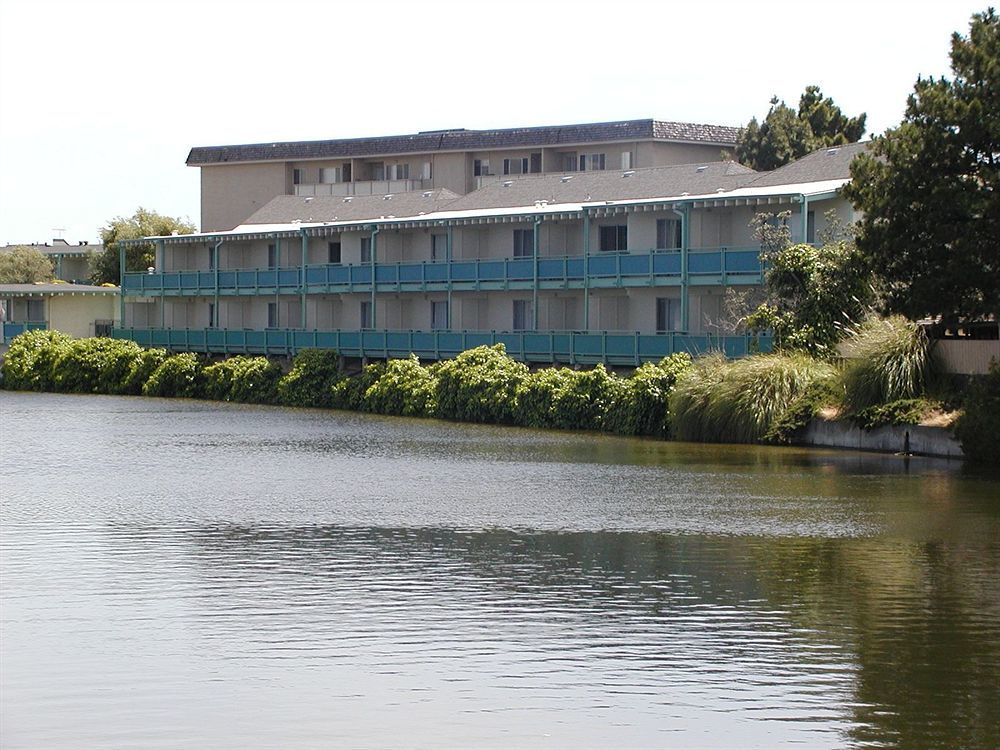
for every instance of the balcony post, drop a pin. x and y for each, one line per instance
(121, 282)
(161, 262)
(215, 263)
(302, 278)
(685, 215)
(534, 275)
(449, 254)
(375, 231)
(805, 218)
(586, 269)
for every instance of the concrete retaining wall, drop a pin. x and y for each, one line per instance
(924, 441)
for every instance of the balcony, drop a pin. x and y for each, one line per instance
(735, 266)
(565, 347)
(10, 329)
(362, 187)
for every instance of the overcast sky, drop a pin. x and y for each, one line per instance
(100, 100)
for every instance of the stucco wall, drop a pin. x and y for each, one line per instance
(75, 315)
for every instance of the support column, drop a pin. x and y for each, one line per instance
(375, 232)
(449, 252)
(534, 274)
(215, 264)
(586, 270)
(302, 278)
(121, 283)
(685, 246)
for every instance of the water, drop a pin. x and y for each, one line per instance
(186, 575)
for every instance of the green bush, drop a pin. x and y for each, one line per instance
(740, 401)
(349, 393)
(309, 382)
(480, 385)
(978, 429)
(94, 365)
(641, 402)
(902, 412)
(888, 360)
(28, 364)
(180, 376)
(822, 392)
(140, 370)
(537, 395)
(248, 380)
(405, 388)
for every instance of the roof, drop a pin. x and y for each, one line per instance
(28, 290)
(467, 140)
(632, 184)
(58, 247)
(285, 209)
(832, 163)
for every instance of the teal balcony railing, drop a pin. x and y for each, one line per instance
(566, 347)
(656, 268)
(9, 330)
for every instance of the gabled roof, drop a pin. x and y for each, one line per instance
(285, 209)
(831, 163)
(467, 140)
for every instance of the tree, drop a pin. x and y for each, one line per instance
(930, 189)
(25, 265)
(104, 266)
(786, 135)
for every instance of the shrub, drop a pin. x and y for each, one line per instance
(740, 401)
(641, 403)
(28, 364)
(94, 365)
(349, 393)
(904, 411)
(179, 376)
(979, 426)
(249, 380)
(583, 402)
(140, 370)
(822, 392)
(537, 395)
(405, 388)
(888, 360)
(480, 385)
(309, 382)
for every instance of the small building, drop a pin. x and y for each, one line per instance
(75, 309)
(69, 262)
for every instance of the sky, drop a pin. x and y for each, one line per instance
(100, 101)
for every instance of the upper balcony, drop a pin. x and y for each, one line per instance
(362, 187)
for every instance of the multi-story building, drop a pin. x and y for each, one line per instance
(619, 266)
(238, 180)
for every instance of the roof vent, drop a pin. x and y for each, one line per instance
(685, 193)
(387, 197)
(628, 173)
(348, 199)
(508, 183)
(309, 199)
(427, 193)
(702, 168)
(566, 178)
(832, 151)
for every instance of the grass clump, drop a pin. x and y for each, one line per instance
(30, 360)
(180, 376)
(888, 359)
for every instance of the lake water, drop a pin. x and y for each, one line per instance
(184, 574)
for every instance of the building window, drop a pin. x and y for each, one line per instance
(296, 176)
(439, 316)
(591, 162)
(366, 314)
(626, 159)
(536, 162)
(376, 171)
(330, 175)
(524, 243)
(36, 311)
(211, 258)
(668, 314)
(439, 247)
(426, 175)
(398, 172)
(366, 249)
(668, 234)
(516, 166)
(481, 168)
(333, 252)
(614, 239)
(211, 315)
(272, 314)
(272, 256)
(346, 173)
(569, 163)
(522, 315)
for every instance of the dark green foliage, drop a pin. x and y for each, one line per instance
(405, 388)
(902, 412)
(140, 370)
(94, 365)
(641, 403)
(248, 380)
(309, 382)
(349, 393)
(564, 398)
(25, 265)
(104, 266)
(888, 360)
(978, 428)
(180, 376)
(480, 385)
(740, 401)
(821, 393)
(786, 135)
(28, 363)
(929, 189)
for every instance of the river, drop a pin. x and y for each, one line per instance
(179, 574)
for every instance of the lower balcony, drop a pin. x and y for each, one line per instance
(10, 329)
(562, 347)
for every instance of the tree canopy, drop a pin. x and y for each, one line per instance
(930, 189)
(786, 135)
(104, 266)
(25, 265)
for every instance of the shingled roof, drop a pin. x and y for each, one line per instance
(286, 209)
(833, 163)
(467, 140)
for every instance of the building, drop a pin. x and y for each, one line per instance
(617, 266)
(69, 262)
(238, 180)
(75, 309)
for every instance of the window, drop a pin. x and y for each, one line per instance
(366, 314)
(211, 258)
(569, 163)
(439, 316)
(272, 256)
(536, 162)
(426, 173)
(626, 159)
(329, 175)
(668, 314)
(366, 249)
(296, 176)
(376, 171)
(398, 172)
(36, 310)
(614, 239)
(524, 243)
(346, 173)
(591, 162)
(211, 315)
(522, 315)
(481, 167)
(333, 252)
(515, 166)
(439, 247)
(272, 314)
(668, 234)
(811, 227)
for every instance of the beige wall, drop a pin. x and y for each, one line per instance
(230, 193)
(75, 315)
